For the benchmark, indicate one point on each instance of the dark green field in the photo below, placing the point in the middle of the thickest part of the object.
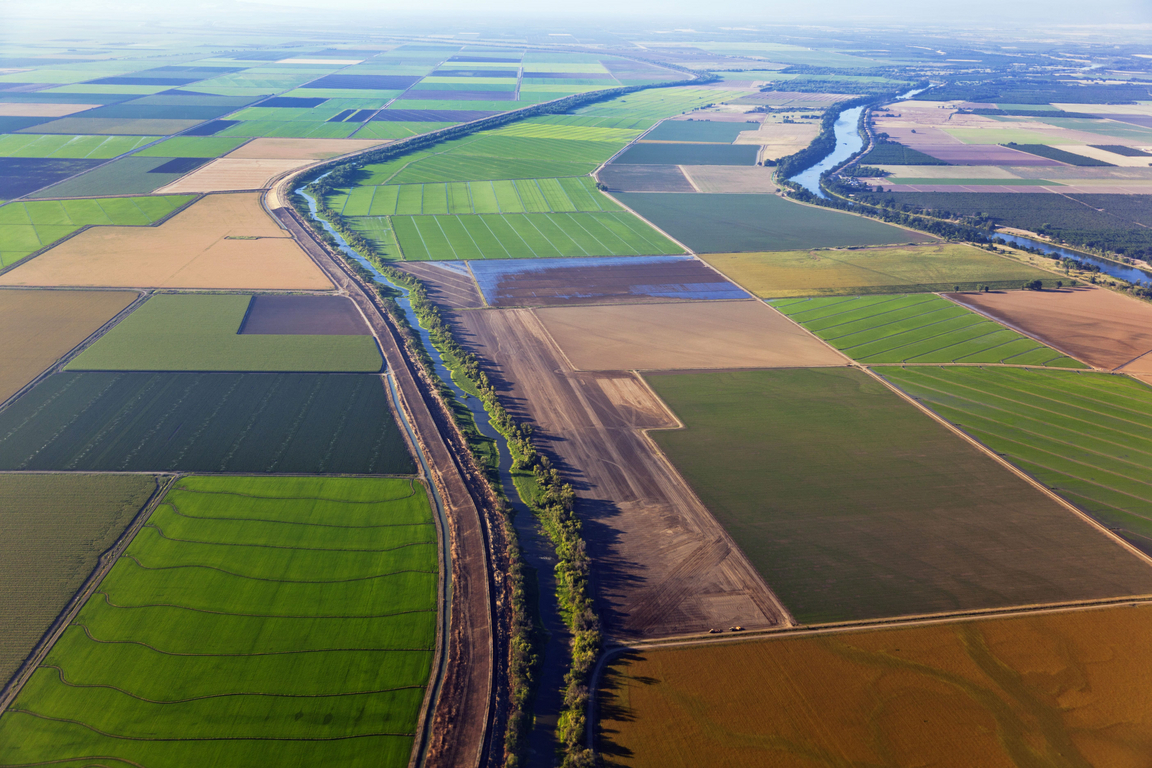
(210, 422)
(1089, 436)
(854, 505)
(738, 223)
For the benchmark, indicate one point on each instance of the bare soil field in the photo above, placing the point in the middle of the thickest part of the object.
(984, 154)
(1011, 189)
(225, 174)
(781, 139)
(300, 149)
(1060, 689)
(39, 327)
(449, 284)
(1102, 328)
(730, 179)
(644, 178)
(662, 565)
(197, 248)
(717, 334)
(41, 110)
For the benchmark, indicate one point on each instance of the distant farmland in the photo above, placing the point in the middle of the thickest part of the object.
(55, 527)
(292, 618)
(1047, 690)
(854, 505)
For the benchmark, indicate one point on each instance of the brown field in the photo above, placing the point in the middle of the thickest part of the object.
(781, 139)
(300, 149)
(108, 125)
(55, 528)
(1102, 328)
(39, 327)
(662, 565)
(736, 179)
(189, 250)
(225, 174)
(1059, 690)
(41, 110)
(449, 287)
(707, 334)
(794, 99)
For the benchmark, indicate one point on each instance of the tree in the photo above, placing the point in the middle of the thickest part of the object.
(1035, 285)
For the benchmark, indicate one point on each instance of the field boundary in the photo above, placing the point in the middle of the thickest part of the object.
(1023, 332)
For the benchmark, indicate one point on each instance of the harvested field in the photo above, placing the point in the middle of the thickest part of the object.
(39, 327)
(855, 505)
(304, 315)
(927, 267)
(1098, 326)
(726, 223)
(31, 109)
(449, 284)
(1056, 689)
(602, 280)
(645, 178)
(688, 154)
(976, 154)
(697, 335)
(917, 328)
(55, 528)
(730, 179)
(192, 249)
(661, 564)
(780, 139)
(300, 149)
(294, 619)
(226, 174)
(196, 332)
(210, 422)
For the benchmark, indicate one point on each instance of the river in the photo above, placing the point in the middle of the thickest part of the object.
(536, 549)
(1110, 268)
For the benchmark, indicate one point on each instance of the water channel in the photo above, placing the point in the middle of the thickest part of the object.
(536, 549)
(1110, 268)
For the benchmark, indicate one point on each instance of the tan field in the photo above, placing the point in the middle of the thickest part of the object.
(781, 139)
(226, 174)
(736, 179)
(193, 249)
(300, 149)
(37, 328)
(950, 172)
(41, 110)
(1060, 690)
(1102, 328)
(1110, 157)
(706, 334)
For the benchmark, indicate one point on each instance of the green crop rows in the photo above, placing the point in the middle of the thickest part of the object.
(64, 146)
(1089, 436)
(291, 618)
(920, 328)
(528, 235)
(462, 197)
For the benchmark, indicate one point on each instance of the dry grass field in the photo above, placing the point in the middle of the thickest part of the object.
(300, 149)
(42, 110)
(710, 334)
(730, 179)
(1060, 690)
(55, 527)
(781, 139)
(39, 327)
(227, 173)
(1100, 327)
(193, 249)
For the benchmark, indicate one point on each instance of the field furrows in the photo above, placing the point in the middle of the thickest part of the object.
(662, 564)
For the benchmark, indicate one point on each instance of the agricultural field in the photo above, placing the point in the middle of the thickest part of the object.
(528, 236)
(37, 328)
(294, 618)
(917, 328)
(27, 227)
(220, 241)
(227, 174)
(696, 131)
(210, 422)
(464, 197)
(192, 146)
(78, 147)
(670, 153)
(1084, 435)
(996, 692)
(758, 223)
(647, 178)
(730, 179)
(195, 332)
(126, 176)
(693, 335)
(55, 529)
(862, 271)
(855, 505)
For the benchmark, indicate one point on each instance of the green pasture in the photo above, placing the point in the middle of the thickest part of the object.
(528, 236)
(293, 619)
(26, 227)
(1086, 435)
(657, 103)
(383, 129)
(464, 167)
(535, 128)
(192, 146)
(855, 505)
(917, 328)
(191, 332)
(64, 146)
(638, 124)
(463, 197)
(288, 130)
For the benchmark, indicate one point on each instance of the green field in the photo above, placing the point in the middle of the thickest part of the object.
(463, 197)
(1088, 436)
(917, 328)
(528, 236)
(273, 621)
(289, 130)
(729, 223)
(396, 130)
(463, 167)
(854, 505)
(192, 146)
(126, 176)
(536, 128)
(55, 528)
(27, 227)
(85, 147)
(657, 103)
(191, 332)
(207, 422)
